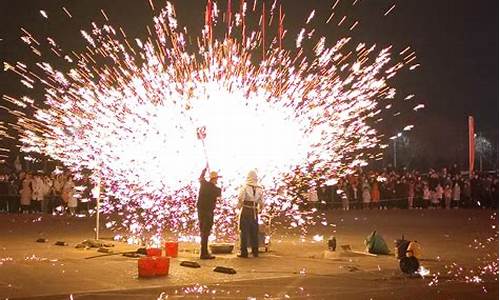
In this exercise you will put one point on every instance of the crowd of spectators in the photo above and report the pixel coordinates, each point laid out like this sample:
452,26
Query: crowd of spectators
27,192
445,188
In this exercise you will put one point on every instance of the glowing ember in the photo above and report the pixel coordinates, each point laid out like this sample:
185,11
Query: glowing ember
144,116
487,267
422,271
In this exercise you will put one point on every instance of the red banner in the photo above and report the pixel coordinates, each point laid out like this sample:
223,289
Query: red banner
208,19
471,145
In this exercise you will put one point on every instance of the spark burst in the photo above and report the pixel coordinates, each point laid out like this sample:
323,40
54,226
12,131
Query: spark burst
128,110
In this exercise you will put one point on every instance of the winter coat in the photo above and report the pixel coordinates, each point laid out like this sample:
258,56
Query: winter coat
26,192
411,190
37,187
47,187
366,193
456,192
439,192
250,197
375,193
247,194
447,192
58,185
68,194
426,193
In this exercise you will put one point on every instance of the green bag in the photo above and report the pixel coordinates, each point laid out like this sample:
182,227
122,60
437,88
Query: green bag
375,244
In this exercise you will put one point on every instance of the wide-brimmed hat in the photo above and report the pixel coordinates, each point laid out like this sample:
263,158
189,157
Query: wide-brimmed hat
214,175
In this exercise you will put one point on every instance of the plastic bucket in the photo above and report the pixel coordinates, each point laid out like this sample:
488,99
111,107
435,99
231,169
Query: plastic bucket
146,267
162,265
171,249
153,252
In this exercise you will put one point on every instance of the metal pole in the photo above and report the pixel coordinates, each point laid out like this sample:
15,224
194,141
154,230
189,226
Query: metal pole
97,221
98,206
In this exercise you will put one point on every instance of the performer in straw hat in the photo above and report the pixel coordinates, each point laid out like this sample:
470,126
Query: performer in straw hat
208,194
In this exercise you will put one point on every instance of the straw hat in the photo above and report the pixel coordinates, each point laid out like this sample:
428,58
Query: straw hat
214,175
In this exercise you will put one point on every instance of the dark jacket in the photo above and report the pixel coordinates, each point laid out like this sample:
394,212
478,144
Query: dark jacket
207,196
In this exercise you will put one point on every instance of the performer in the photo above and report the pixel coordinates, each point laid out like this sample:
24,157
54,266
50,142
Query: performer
208,194
250,203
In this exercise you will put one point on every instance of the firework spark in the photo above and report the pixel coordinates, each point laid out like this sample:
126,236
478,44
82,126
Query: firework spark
129,110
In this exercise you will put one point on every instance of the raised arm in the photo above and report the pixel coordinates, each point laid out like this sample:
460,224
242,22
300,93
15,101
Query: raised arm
202,175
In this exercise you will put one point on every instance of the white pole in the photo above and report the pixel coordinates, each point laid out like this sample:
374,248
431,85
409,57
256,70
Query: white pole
97,195
97,220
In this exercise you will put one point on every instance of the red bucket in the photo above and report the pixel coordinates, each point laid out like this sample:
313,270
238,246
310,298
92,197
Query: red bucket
171,249
153,252
162,265
146,266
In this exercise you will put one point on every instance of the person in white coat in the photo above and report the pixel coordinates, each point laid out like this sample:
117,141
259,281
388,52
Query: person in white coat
68,195
456,195
58,186
250,203
37,187
25,197
46,191
366,194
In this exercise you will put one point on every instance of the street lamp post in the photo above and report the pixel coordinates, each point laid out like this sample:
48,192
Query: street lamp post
395,154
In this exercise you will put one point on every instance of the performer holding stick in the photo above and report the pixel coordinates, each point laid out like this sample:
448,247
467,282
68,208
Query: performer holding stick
208,195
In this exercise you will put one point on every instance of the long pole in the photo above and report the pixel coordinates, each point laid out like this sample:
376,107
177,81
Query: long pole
97,220
98,208
471,145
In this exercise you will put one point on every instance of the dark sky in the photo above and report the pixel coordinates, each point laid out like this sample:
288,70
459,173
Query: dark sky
456,42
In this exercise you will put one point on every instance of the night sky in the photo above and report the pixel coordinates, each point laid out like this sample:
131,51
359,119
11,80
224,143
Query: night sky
456,44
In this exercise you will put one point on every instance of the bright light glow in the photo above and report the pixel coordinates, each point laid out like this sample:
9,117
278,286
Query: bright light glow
132,116
423,271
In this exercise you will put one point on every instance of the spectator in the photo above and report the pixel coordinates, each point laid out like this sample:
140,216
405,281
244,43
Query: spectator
426,195
411,193
68,195
355,195
375,195
46,190
447,193
456,194
26,194
366,195
13,201
345,195
438,201
475,189
36,193
466,195
58,186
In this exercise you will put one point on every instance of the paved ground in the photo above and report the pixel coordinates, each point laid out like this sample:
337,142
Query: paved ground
457,245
